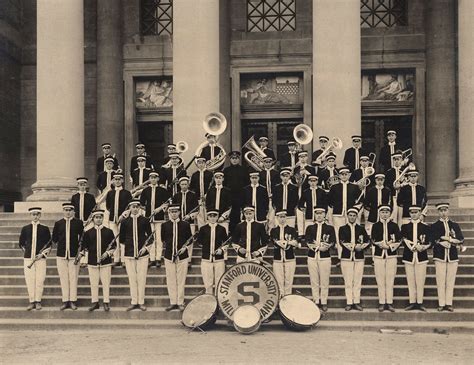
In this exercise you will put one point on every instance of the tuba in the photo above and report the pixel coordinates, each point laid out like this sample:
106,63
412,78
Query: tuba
181,146
254,156
302,134
214,124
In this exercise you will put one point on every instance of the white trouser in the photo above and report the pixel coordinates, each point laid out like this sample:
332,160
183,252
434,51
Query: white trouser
352,271
68,275
175,280
319,271
156,249
201,216
385,270
102,274
85,259
445,278
34,278
338,221
396,212
416,275
211,273
284,273
120,249
301,223
194,227
136,271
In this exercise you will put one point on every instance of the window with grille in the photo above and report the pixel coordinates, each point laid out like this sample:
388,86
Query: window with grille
156,17
383,13
271,15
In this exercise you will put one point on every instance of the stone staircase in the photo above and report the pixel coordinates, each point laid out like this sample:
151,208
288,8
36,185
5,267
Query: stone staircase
13,293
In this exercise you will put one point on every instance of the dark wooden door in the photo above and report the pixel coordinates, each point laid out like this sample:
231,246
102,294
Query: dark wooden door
156,136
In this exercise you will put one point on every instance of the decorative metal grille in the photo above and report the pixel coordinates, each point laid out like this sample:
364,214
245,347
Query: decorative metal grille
271,15
383,13
156,17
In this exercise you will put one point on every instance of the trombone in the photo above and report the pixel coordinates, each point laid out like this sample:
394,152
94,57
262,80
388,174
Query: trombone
397,182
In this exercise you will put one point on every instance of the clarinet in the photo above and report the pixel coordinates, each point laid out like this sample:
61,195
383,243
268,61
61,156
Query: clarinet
41,253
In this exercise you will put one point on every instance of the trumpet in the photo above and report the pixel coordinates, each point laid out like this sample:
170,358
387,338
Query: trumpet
336,144
411,166
255,155
372,157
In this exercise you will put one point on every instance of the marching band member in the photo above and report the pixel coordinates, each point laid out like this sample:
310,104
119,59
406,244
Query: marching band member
251,236
375,197
152,198
391,175
134,231
387,151
211,237
263,144
412,194
302,171
236,177
320,237
284,237
141,173
100,243
83,202
323,144
415,257
116,203
175,233
106,148
386,238
173,173
104,178
170,149
201,179
354,240
329,171
446,235
285,197
219,199
67,233
310,199
35,241
361,172
212,149
256,195
140,147
352,154
269,176
289,159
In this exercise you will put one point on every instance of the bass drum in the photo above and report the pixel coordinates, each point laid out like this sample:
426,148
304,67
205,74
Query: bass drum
247,319
298,313
200,312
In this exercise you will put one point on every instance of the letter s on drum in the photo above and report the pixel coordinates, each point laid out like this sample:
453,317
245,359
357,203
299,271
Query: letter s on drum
243,290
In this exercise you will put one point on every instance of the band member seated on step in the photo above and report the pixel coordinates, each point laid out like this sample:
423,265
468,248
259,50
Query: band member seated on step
134,235
211,237
354,240
251,236
412,194
415,257
67,233
35,241
284,240
106,149
310,199
375,197
386,239
84,202
285,197
142,173
256,195
100,243
446,238
176,234
219,198
319,238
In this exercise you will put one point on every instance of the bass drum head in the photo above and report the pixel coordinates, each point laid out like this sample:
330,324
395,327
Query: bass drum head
247,319
298,312
200,312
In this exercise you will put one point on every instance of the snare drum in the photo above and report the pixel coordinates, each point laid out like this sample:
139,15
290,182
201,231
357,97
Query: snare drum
247,319
298,313
200,312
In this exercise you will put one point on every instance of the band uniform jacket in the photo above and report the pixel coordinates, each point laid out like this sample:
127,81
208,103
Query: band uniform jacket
390,177
279,254
274,179
350,156
285,159
172,246
209,153
102,180
124,198
261,198
335,198
291,201
312,171
195,183
100,163
236,177
325,174
371,201
90,244
136,176
204,240
405,198
89,205
423,238
26,239
59,237
385,156
258,236
361,237
134,163
393,234
328,235
441,253
161,196
126,235
225,200
170,176
306,201
191,201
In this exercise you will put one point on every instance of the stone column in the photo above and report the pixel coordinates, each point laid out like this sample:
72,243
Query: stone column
464,193
440,99
60,99
109,77
336,70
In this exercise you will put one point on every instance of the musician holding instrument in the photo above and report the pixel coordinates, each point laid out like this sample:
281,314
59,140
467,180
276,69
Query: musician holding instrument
173,173
352,154
375,197
67,234
323,145
310,199
412,194
263,144
141,173
106,150
212,149
393,175
269,175
256,195
140,148
200,182
219,198
83,202
319,238
388,150
35,241
284,239
104,178
285,197
135,231
329,173
291,157
302,171
100,243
